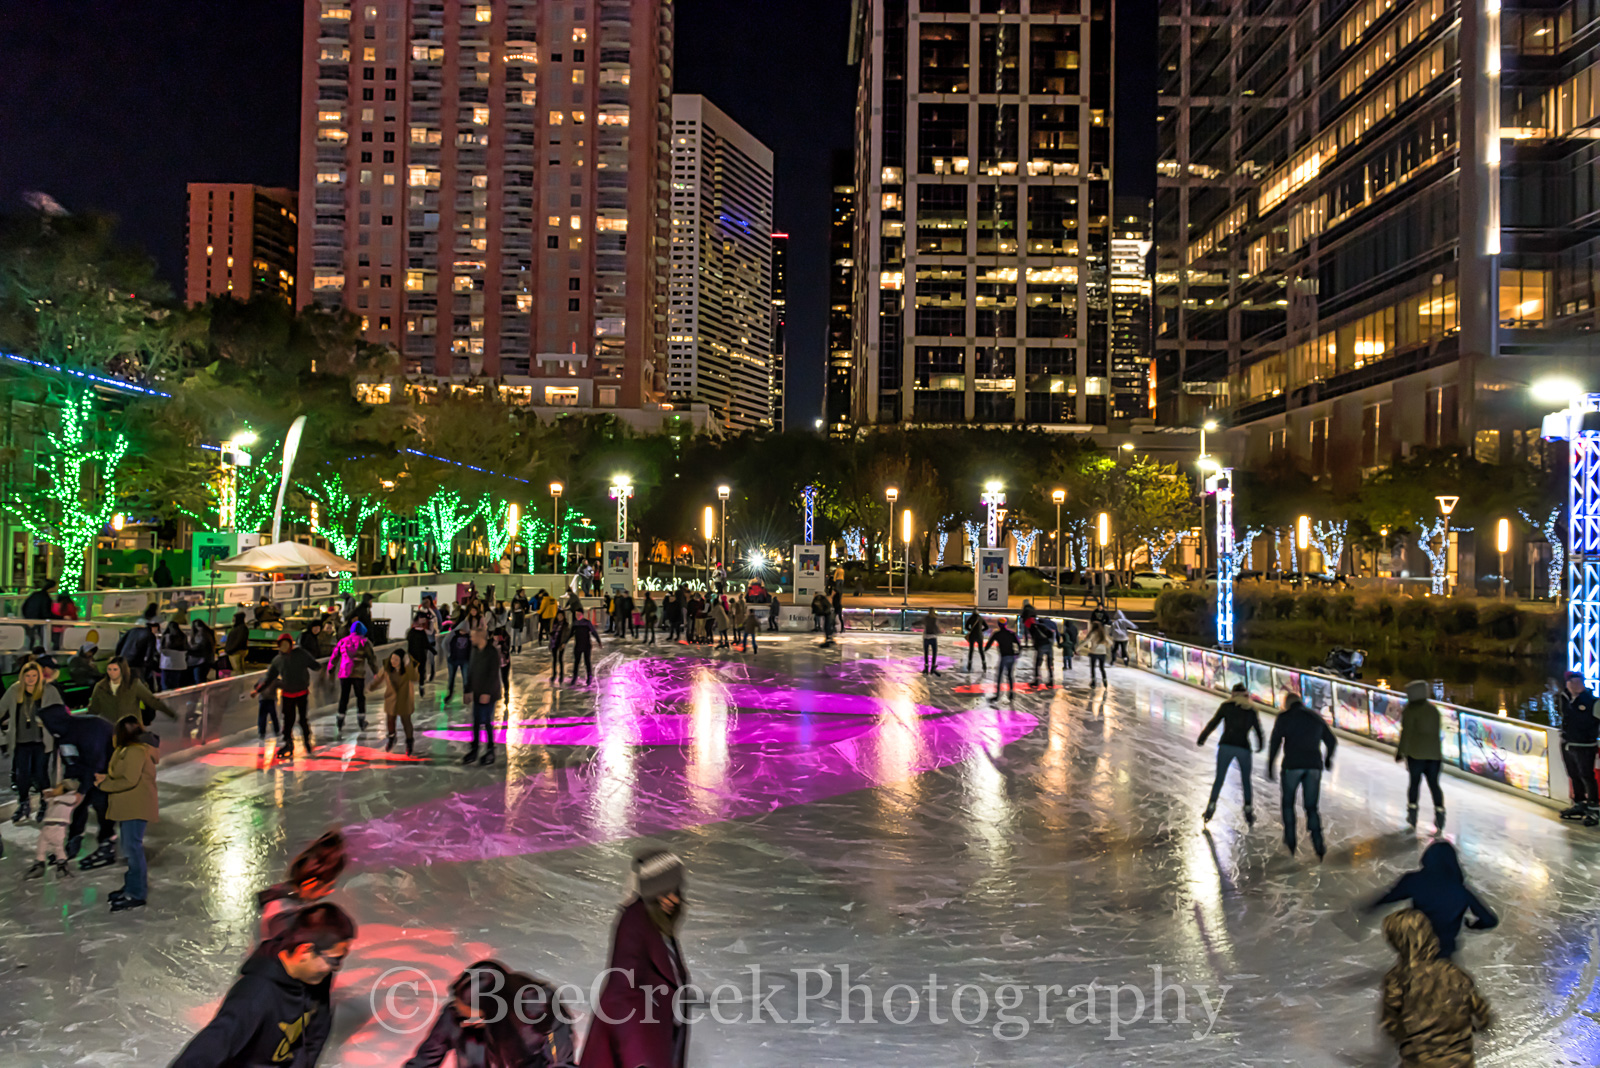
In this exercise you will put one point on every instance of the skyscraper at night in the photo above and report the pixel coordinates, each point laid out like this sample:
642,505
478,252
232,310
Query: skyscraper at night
983,138
486,185
780,316
1130,309
720,309
841,298
1372,222
240,242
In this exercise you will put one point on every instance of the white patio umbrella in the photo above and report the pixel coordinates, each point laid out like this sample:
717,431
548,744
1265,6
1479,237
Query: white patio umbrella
287,557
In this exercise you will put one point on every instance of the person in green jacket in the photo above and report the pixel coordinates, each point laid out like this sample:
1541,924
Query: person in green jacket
121,694
1421,749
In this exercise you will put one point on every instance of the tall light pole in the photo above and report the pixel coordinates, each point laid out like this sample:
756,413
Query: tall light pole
808,499
1103,538
1579,426
1059,497
621,490
1502,541
1447,504
1209,424
893,494
709,527
722,543
234,457
555,554
1221,484
905,538
994,498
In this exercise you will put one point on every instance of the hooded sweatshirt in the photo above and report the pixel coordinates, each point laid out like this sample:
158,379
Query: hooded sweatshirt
1430,1007
1238,718
1419,726
268,1020
1439,891
353,655
1301,733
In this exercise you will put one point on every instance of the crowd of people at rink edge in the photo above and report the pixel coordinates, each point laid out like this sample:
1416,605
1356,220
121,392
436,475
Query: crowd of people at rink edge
279,1011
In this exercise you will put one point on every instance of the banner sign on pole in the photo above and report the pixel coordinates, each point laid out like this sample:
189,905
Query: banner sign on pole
993,579
621,567
809,577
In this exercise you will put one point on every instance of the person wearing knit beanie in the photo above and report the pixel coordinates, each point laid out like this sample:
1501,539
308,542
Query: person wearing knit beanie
638,1021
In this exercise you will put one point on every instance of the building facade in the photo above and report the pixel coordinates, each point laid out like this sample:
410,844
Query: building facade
487,186
720,321
1130,309
780,316
240,242
983,135
840,371
1374,222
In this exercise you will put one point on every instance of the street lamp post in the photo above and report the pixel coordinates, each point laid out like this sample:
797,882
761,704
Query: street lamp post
893,493
905,538
722,542
1209,424
994,498
621,490
1103,538
555,554
1447,504
1221,484
1059,497
1502,542
709,528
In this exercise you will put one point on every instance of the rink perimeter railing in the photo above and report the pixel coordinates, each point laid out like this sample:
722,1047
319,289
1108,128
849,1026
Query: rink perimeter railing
1514,754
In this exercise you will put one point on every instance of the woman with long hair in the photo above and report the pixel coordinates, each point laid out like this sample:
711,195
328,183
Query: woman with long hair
174,656
312,876
401,673
25,735
121,694
130,783
498,1019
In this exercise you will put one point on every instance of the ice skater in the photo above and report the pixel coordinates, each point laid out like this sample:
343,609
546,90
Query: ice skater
1430,1007
1069,643
1238,717
1302,734
480,688
750,624
1580,732
930,643
313,875
1098,645
350,659
634,1023
1117,629
584,637
60,801
1042,632
290,672
280,1011
400,672
975,627
476,1028
1438,889
86,743
1010,646
1422,750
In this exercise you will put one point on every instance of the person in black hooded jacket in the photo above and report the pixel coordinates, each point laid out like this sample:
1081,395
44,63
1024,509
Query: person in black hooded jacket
1439,891
1301,734
1238,718
90,738
474,1025
280,1011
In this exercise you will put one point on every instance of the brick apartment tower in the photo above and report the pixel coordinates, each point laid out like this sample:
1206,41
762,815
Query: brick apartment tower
241,241
486,185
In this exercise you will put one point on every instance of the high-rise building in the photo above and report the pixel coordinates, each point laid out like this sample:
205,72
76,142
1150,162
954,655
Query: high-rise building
1372,221
720,302
486,185
1130,309
241,242
841,297
780,315
983,136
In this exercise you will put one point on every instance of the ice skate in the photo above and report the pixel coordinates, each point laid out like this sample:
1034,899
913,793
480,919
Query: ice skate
488,759
1411,816
103,856
388,745
1438,820
1250,815
35,870
1211,810
1591,818
472,754
62,870
1576,812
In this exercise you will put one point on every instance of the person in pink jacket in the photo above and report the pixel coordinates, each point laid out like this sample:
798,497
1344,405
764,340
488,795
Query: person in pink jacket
349,662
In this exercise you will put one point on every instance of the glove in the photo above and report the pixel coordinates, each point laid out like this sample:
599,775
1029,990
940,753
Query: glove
1328,764
1272,776
1398,758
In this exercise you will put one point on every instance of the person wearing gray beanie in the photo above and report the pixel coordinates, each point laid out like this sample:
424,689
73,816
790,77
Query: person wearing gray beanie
638,1021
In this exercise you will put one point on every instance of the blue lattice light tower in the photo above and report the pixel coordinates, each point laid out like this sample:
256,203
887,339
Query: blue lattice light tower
1221,485
1579,426
808,497
994,498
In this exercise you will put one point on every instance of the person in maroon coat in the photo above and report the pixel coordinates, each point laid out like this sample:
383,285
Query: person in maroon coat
635,1024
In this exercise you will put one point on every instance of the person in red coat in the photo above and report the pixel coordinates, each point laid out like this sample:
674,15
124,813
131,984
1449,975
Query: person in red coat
635,1024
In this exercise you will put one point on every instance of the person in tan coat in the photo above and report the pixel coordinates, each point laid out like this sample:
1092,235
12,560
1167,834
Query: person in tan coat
1430,1006
401,674
121,694
130,782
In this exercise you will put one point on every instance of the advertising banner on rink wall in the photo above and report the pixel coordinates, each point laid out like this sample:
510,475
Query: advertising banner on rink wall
810,578
993,581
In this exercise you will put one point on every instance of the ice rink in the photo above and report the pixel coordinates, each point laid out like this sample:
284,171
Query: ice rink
1023,882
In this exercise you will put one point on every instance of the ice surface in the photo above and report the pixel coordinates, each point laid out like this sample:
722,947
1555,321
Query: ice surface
836,810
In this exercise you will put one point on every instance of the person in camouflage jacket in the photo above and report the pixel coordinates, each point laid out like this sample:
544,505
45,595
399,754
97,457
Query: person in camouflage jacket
1430,1006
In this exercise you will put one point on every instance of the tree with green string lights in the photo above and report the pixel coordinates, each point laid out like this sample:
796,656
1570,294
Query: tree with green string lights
443,516
342,515
498,530
77,499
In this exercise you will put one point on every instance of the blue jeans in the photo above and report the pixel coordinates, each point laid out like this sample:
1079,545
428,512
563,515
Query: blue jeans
1008,671
1227,754
1309,782
136,883
930,653
483,719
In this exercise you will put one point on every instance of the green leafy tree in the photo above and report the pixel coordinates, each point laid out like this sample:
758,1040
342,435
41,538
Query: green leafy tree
444,515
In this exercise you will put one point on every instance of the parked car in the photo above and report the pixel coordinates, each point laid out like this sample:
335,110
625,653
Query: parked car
953,569
1152,580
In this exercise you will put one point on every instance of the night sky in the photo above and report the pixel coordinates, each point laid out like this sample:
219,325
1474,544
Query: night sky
111,106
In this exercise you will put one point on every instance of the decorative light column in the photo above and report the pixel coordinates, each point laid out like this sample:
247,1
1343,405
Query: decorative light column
621,490
723,493
555,557
994,499
1447,504
808,498
1221,486
893,494
1579,426
1059,497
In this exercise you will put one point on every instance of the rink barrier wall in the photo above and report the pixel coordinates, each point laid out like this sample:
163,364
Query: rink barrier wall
1514,755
